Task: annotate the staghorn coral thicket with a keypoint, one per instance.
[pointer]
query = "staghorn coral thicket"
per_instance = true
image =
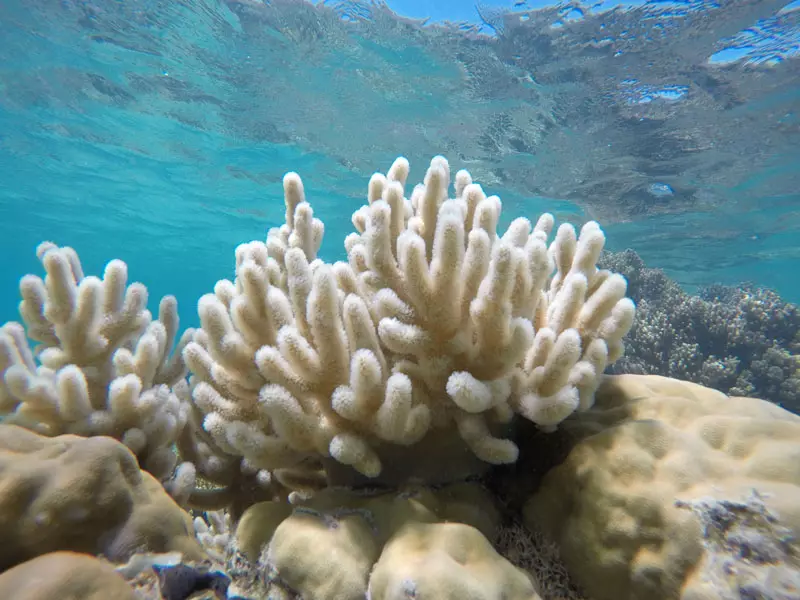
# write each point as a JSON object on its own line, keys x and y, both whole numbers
{"x": 435, "y": 321}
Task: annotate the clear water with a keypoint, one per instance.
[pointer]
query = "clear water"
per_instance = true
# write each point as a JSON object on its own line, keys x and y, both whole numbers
{"x": 157, "y": 131}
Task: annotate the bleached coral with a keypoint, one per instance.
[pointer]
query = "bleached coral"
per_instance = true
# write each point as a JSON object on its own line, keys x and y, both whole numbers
{"x": 436, "y": 320}
{"x": 214, "y": 530}
{"x": 102, "y": 366}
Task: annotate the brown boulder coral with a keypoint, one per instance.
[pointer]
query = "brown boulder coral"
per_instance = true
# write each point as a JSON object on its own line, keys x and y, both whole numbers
{"x": 84, "y": 495}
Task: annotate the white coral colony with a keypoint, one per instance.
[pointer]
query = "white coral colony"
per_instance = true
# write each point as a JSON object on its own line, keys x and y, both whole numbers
{"x": 435, "y": 319}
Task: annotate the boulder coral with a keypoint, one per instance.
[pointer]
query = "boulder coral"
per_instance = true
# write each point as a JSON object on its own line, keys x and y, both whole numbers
{"x": 70, "y": 493}
{"x": 674, "y": 490}
{"x": 69, "y": 576}
{"x": 409, "y": 544}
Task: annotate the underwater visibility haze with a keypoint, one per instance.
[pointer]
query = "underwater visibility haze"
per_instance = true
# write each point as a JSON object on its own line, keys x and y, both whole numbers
{"x": 485, "y": 300}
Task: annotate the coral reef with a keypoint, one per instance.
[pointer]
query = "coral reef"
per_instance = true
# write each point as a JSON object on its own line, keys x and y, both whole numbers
{"x": 743, "y": 341}
{"x": 340, "y": 414}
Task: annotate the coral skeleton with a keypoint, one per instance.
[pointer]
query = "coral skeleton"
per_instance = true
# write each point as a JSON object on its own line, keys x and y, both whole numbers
{"x": 436, "y": 320}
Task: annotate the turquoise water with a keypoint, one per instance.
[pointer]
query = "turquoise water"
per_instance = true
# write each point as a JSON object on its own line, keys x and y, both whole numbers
{"x": 158, "y": 131}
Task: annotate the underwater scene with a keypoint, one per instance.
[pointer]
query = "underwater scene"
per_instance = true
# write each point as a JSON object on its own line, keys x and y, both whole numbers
{"x": 403, "y": 300}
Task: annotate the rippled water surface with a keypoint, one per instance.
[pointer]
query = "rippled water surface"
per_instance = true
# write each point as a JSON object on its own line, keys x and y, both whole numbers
{"x": 157, "y": 131}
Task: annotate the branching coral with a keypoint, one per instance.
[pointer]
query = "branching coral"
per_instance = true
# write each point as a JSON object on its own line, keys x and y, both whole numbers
{"x": 743, "y": 341}
{"x": 102, "y": 366}
{"x": 436, "y": 320}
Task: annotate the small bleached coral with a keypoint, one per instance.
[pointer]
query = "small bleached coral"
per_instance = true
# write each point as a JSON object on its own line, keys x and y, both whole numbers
{"x": 435, "y": 320}
{"x": 102, "y": 366}
{"x": 214, "y": 530}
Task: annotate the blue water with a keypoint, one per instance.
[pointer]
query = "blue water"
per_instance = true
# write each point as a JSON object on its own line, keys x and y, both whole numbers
{"x": 158, "y": 131}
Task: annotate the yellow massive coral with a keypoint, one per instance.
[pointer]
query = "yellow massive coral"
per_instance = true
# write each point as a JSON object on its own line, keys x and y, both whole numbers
{"x": 436, "y": 320}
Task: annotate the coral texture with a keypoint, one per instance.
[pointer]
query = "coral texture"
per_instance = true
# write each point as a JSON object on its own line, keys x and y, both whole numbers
{"x": 674, "y": 490}
{"x": 83, "y": 495}
{"x": 435, "y": 321}
{"x": 418, "y": 544}
{"x": 65, "y": 576}
{"x": 743, "y": 341}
